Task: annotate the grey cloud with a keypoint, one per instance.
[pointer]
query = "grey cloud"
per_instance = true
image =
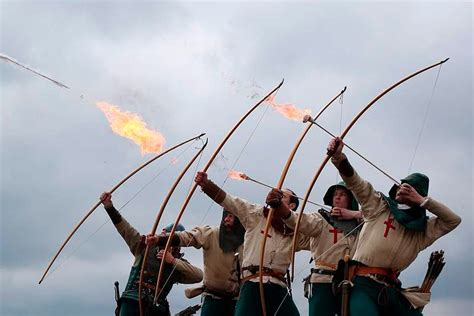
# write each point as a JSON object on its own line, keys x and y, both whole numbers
{"x": 194, "y": 67}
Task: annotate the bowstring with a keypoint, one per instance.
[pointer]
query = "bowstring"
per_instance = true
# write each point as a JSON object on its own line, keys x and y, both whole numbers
{"x": 341, "y": 102}
{"x": 428, "y": 107}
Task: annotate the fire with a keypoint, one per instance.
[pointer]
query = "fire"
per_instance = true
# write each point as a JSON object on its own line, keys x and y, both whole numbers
{"x": 131, "y": 126}
{"x": 236, "y": 175}
{"x": 288, "y": 110}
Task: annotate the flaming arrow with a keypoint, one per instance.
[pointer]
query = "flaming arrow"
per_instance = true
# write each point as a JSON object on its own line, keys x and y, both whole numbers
{"x": 344, "y": 133}
{"x": 288, "y": 110}
{"x": 123, "y": 123}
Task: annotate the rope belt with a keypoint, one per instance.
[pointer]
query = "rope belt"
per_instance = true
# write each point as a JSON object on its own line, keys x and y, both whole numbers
{"x": 221, "y": 293}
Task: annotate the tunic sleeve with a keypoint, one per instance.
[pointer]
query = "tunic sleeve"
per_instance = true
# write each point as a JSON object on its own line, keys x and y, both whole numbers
{"x": 444, "y": 222}
{"x": 188, "y": 273}
{"x": 246, "y": 212}
{"x": 311, "y": 224}
{"x": 131, "y": 236}
{"x": 198, "y": 237}
{"x": 372, "y": 202}
{"x": 304, "y": 243}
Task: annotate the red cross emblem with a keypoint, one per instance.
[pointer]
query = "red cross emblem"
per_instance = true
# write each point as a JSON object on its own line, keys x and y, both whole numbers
{"x": 388, "y": 222}
{"x": 335, "y": 231}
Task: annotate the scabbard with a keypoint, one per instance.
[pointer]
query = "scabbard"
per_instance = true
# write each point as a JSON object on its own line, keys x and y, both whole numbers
{"x": 345, "y": 285}
{"x": 345, "y": 298}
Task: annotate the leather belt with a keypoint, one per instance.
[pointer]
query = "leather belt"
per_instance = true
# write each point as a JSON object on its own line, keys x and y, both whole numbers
{"x": 380, "y": 273}
{"x": 323, "y": 271}
{"x": 266, "y": 272}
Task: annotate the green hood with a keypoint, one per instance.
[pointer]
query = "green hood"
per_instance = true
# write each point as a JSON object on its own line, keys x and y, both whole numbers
{"x": 414, "y": 218}
{"x": 353, "y": 205}
{"x": 418, "y": 181}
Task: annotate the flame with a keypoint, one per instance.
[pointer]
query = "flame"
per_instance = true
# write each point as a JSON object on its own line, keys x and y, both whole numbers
{"x": 288, "y": 110}
{"x": 236, "y": 175}
{"x": 131, "y": 126}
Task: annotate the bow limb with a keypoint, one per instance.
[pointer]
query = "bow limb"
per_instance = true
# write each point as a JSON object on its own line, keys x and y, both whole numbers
{"x": 326, "y": 158}
{"x": 279, "y": 186}
{"x": 111, "y": 191}
{"x": 157, "y": 221}
{"x": 193, "y": 188}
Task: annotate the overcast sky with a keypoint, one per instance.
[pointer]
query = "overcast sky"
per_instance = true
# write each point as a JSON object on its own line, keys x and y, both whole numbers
{"x": 193, "y": 67}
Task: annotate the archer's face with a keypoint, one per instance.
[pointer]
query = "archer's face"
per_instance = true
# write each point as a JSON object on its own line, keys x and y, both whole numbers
{"x": 286, "y": 199}
{"x": 340, "y": 198}
{"x": 228, "y": 221}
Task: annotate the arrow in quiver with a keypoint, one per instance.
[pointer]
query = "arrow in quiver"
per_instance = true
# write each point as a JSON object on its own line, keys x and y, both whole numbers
{"x": 435, "y": 265}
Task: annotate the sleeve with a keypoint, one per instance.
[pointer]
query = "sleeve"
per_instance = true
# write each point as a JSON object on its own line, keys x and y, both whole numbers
{"x": 304, "y": 243}
{"x": 441, "y": 224}
{"x": 113, "y": 214}
{"x": 198, "y": 237}
{"x": 310, "y": 225}
{"x": 132, "y": 237}
{"x": 372, "y": 202}
{"x": 188, "y": 273}
{"x": 246, "y": 212}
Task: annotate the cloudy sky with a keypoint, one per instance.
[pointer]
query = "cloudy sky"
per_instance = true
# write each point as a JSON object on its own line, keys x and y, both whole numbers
{"x": 192, "y": 67}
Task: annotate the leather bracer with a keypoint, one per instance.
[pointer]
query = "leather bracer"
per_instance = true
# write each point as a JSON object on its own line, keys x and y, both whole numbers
{"x": 214, "y": 192}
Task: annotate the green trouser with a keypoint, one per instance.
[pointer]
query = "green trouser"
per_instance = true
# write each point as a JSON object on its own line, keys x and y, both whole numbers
{"x": 322, "y": 301}
{"x": 213, "y": 306}
{"x": 129, "y": 307}
{"x": 370, "y": 298}
{"x": 277, "y": 300}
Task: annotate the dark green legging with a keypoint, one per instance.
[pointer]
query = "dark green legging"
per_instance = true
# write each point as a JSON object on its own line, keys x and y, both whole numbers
{"x": 276, "y": 298}
{"x": 322, "y": 301}
{"x": 212, "y": 306}
{"x": 129, "y": 307}
{"x": 366, "y": 296}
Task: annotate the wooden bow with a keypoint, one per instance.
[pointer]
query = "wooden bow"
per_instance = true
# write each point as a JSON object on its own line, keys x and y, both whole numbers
{"x": 111, "y": 191}
{"x": 327, "y": 157}
{"x": 193, "y": 188}
{"x": 279, "y": 186}
{"x": 157, "y": 221}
